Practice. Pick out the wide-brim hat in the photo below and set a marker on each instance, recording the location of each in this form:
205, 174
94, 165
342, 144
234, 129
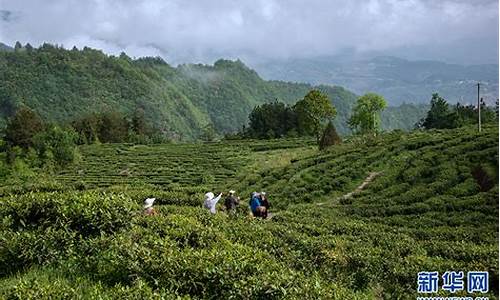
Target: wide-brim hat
149, 202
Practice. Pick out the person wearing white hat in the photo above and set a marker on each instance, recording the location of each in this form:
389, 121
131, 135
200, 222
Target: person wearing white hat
148, 207
231, 202
211, 201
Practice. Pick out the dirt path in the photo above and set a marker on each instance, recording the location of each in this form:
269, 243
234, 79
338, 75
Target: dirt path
371, 176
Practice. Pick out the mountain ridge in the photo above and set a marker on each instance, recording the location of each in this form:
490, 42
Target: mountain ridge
399, 80
62, 85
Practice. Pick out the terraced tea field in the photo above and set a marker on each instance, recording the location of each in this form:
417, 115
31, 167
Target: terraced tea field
433, 207
164, 165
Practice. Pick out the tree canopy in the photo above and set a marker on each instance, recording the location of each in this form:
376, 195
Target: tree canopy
313, 111
441, 115
64, 85
22, 127
272, 120
366, 114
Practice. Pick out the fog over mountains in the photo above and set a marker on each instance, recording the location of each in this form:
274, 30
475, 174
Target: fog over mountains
453, 31
402, 49
398, 80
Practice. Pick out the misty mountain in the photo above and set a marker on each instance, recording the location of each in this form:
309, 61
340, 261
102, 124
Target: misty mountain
4, 47
398, 80
62, 85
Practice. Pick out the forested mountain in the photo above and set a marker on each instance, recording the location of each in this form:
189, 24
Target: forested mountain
398, 80
62, 85
404, 116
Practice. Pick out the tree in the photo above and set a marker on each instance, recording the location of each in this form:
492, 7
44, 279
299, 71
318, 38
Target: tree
496, 109
438, 114
366, 114
58, 143
8, 106
28, 47
441, 115
271, 120
18, 46
87, 129
208, 134
113, 127
313, 111
488, 114
139, 122
22, 127
329, 137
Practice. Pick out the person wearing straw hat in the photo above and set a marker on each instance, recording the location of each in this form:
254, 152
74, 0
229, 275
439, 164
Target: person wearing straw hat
231, 202
211, 201
148, 207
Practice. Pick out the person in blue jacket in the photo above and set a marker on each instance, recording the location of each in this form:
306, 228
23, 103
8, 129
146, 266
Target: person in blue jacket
255, 205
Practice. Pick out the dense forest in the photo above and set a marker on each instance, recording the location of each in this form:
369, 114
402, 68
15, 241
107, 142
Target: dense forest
63, 85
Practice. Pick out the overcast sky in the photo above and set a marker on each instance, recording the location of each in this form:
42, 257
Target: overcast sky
463, 31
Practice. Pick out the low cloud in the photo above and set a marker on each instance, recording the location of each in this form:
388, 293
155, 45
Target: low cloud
201, 31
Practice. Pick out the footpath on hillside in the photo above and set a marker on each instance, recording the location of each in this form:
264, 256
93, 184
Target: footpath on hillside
371, 176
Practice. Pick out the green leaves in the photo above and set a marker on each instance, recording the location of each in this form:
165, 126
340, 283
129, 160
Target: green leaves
365, 117
314, 110
64, 85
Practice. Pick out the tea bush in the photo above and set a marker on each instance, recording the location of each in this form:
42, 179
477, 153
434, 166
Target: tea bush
81, 234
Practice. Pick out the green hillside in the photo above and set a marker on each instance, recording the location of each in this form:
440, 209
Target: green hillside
79, 234
65, 84
404, 116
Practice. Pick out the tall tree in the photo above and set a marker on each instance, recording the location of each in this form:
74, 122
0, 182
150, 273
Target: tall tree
22, 127
18, 46
208, 133
271, 120
113, 127
439, 114
496, 109
366, 114
28, 47
139, 122
87, 129
59, 142
313, 111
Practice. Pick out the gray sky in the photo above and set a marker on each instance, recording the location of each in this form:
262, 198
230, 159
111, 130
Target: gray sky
463, 31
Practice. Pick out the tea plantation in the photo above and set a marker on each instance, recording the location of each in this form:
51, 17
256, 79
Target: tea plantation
81, 235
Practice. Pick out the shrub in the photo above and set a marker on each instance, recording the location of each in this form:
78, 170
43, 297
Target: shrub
329, 137
88, 213
23, 127
58, 144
